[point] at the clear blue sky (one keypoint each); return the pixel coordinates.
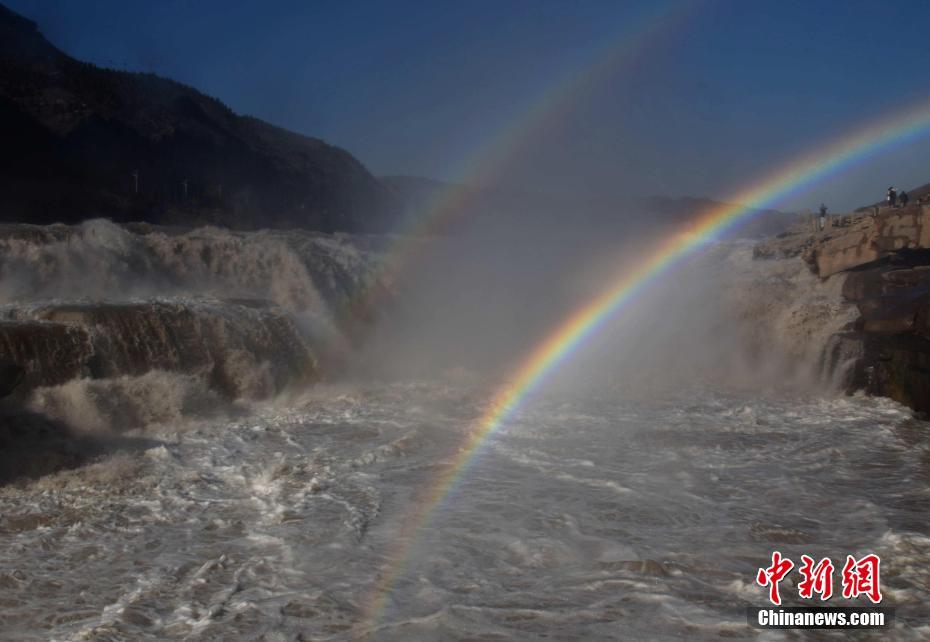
(409, 87)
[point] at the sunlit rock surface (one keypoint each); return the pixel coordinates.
(883, 257)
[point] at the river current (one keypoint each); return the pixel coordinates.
(585, 517)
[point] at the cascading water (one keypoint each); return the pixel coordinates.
(249, 314)
(629, 498)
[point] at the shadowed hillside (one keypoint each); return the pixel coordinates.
(82, 142)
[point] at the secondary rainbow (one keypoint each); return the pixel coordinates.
(524, 125)
(561, 344)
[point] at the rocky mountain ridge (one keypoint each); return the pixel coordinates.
(85, 142)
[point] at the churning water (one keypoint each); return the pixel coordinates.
(588, 516)
(584, 518)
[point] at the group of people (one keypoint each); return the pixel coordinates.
(894, 199)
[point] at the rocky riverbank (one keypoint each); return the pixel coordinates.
(883, 259)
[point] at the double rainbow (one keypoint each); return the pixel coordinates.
(526, 124)
(561, 344)
(863, 143)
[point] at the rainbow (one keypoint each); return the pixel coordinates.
(487, 160)
(562, 343)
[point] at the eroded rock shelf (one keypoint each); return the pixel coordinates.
(884, 256)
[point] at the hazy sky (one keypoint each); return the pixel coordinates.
(729, 92)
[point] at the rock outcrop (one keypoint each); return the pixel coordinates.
(853, 240)
(893, 329)
(884, 256)
(11, 375)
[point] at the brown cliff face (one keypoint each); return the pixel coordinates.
(884, 256)
(893, 328)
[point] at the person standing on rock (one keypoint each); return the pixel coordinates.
(823, 216)
(892, 197)
(904, 198)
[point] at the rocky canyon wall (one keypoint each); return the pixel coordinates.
(882, 258)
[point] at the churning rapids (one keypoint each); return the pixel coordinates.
(619, 510)
(586, 518)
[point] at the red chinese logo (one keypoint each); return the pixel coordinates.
(774, 574)
(817, 579)
(860, 577)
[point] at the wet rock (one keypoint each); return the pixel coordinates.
(893, 331)
(10, 376)
(895, 366)
(779, 534)
(885, 255)
(889, 315)
(884, 280)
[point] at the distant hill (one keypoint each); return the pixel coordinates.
(616, 215)
(763, 222)
(80, 141)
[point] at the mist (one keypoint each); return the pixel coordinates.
(487, 292)
(296, 335)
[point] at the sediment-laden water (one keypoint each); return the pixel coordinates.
(189, 508)
(587, 517)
